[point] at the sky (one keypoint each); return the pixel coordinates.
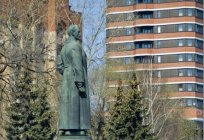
(94, 34)
(93, 25)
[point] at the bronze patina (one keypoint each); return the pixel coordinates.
(74, 117)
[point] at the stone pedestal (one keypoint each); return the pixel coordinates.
(74, 138)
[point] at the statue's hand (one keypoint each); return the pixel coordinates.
(82, 89)
(80, 86)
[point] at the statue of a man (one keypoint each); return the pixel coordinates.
(74, 97)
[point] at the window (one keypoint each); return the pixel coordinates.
(180, 27)
(128, 2)
(180, 87)
(158, 14)
(146, 59)
(129, 31)
(198, 88)
(142, 59)
(147, 45)
(158, 44)
(145, 14)
(188, 102)
(159, 74)
(194, 102)
(182, 102)
(137, 1)
(199, 43)
(200, 1)
(127, 60)
(199, 104)
(189, 12)
(180, 12)
(128, 46)
(138, 59)
(158, 1)
(137, 45)
(159, 29)
(180, 72)
(189, 72)
(180, 57)
(199, 13)
(189, 57)
(189, 87)
(198, 73)
(199, 58)
(148, 1)
(189, 27)
(159, 59)
(147, 29)
(128, 16)
(121, 47)
(180, 42)
(189, 42)
(199, 29)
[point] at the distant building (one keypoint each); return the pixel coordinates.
(168, 33)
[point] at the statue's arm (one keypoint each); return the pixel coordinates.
(60, 65)
(78, 69)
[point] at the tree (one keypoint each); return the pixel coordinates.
(129, 114)
(178, 128)
(165, 112)
(189, 131)
(27, 42)
(97, 87)
(29, 112)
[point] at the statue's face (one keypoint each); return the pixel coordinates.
(76, 33)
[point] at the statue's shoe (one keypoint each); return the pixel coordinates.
(82, 132)
(67, 133)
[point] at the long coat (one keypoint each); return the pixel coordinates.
(74, 106)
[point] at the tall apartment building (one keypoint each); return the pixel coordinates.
(168, 33)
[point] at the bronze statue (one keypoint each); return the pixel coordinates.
(74, 98)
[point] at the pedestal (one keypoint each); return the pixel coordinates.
(74, 138)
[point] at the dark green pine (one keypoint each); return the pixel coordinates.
(126, 121)
(29, 112)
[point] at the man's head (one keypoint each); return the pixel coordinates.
(74, 31)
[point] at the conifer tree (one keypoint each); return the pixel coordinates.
(29, 112)
(128, 115)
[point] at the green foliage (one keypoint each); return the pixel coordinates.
(97, 124)
(29, 112)
(178, 128)
(128, 115)
(190, 130)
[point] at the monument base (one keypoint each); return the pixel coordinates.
(74, 138)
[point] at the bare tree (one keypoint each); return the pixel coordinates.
(27, 45)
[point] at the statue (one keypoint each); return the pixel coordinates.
(74, 117)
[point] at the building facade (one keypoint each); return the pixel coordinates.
(166, 33)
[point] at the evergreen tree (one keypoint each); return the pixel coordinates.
(29, 112)
(128, 115)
